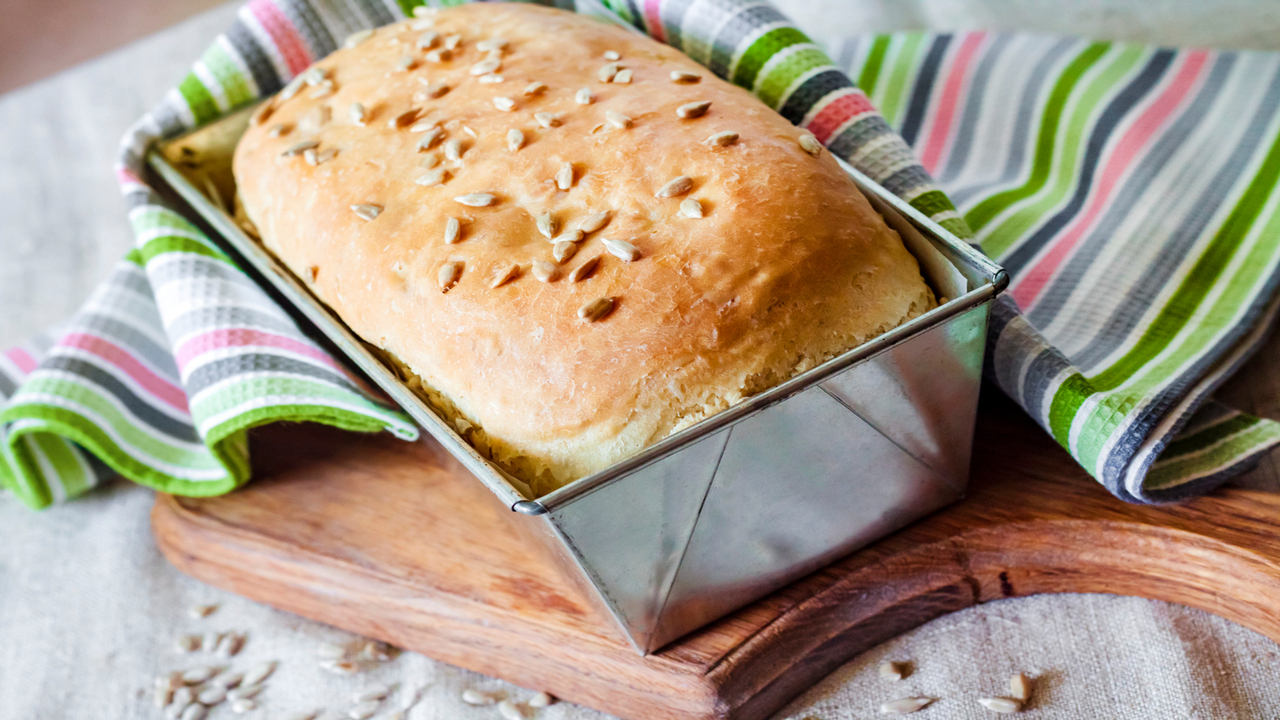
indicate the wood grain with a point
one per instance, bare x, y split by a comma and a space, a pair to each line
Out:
394, 541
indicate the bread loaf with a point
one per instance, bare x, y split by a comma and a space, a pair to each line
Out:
577, 239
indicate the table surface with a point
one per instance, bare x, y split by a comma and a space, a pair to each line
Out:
89, 611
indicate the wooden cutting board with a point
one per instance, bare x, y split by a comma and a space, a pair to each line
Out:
394, 541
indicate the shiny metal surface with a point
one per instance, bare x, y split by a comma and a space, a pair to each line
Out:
742, 503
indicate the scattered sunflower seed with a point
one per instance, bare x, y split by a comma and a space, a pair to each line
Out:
453, 41
357, 114
594, 221
189, 643
476, 199
688, 111
210, 641
617, 119
889, 670
623, 77
164, 687
1020, 686
424, 11
448, 275
292, 87
491, 79
564, 176
228, 680
722, 139
612, 55
509, 711
377, 691
437, 56
423, 126
596, 309
429, 138
563, 250
436, 90
535, 88
404, 119
340, 667
301, 147
195, 712
810, 144
212, 695
433, 178
547, 225
621, 249
1003, 706
574, 236
544, 271
246, 691
453, 149
684, 76
405, 63
331, 651
324, 89
547, 120
583, 96
195, 676
182, 697
263, 112
314, 75
606, 73
364, 710
484, 67
279, 130
452, 231
467, 129
422, 24
366, 211
541, 700
241, 707
691, 208
500, 278
585, 268
904, 706
515, 139
427, 40
678, 186
505, 104
491, 44
260, 672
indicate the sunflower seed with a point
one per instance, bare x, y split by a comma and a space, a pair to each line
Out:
563, 250
509, 711
182, 697
189, 643
405, 63
429, 161
433, 178
324, 89
541, 700
453, 41
210, 641
574, 236
427, 40
331, 651
357, 114
467, 129
564, 176
263, 112
904, 706
245, 692
452, 231
424, 11
366, 211
484, 67
891, 670
585, 268
422, 24
195, 676
313, 76
810, 144
1020, 686
310, 157
623, 77
606, 73
212, 696
164, 687
617, 119
317, 118
505, 104
692, 110
678, 186
429, 138
228, 680
690, 208
504, 276
1003, 706
515, 139
260, 672
535, 88
547, 120
301, 147
612, 55
437, 56
547, 225
491, 79
357, 37
596, 309
594, 221
448, 275
291, 88
622, 249
373, 692
722, 139
364, 710
195, 712
544, 271
404, 119
491, 44
583, 96
423, 126
279, 130
241, 707
453, 150
341, 667
684, 76
436, 90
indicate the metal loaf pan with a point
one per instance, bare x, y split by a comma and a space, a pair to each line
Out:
742, 503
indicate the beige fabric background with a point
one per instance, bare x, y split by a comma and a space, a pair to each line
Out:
89, 610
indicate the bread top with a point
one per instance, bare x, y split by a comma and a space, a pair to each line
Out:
787, 266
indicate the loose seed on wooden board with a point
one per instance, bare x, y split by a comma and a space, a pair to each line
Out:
504, 275
509, 711
476, 199
189, 643
612, 55
606, 73
366, 211
448, 275
573, 235
505, 104
596, 309
491, 78
583, 96
1020, 686
564, 176
623, 77
299, 148
547, 120
905, 706
377, 691
675, 187
621, 249
563, 250
241, 707
484, 67
541, 700
357, 37
584, 269
475, 697
690, 208
892, 670
515, 139
535, 88
594, 221
684, 76
688, 111
617, 119
810, 144
452, 231
722, 139
364, 710
432, 178
547, 225
1003, 706
212, 695
544, 271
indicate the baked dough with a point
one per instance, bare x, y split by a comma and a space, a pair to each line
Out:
550, 377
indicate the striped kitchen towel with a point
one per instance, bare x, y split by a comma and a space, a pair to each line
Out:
1130, 190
